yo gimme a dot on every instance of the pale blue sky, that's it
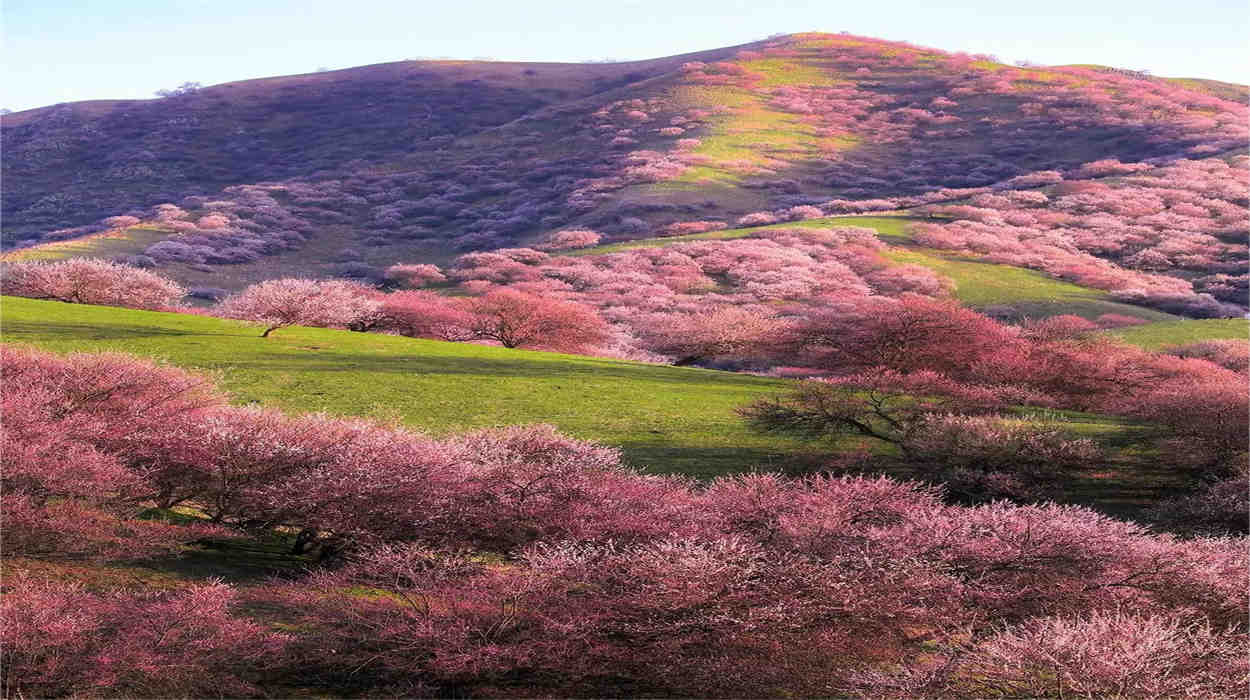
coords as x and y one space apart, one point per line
66 50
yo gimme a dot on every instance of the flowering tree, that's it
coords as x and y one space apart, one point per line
90 281
914 333
670 588
977 456
415 276
730 331
422 314
70 483
1230 354
570 239
515 319
288 302
62 640
1105 654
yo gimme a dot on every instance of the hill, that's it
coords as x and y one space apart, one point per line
345 172
144 152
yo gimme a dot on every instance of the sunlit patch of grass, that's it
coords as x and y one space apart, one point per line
751 136
981 284
1153 336
780 72
1035 78
1222 90
1019 292
105 244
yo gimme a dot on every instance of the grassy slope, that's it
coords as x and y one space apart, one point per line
106 244
1029 294
665 418
1153 336
977 284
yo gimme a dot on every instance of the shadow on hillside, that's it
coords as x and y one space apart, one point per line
527 367
235 559
43 330
710 462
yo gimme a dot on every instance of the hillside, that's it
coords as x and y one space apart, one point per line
667 419
144 152
346 172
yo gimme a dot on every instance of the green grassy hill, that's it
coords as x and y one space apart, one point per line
667 419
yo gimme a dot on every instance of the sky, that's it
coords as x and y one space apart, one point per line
68 50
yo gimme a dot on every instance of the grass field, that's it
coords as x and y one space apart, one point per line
1153 336
751 132
666 419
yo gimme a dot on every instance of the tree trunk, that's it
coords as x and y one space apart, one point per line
302 540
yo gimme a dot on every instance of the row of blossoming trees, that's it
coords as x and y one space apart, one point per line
875 355
835 327
520 561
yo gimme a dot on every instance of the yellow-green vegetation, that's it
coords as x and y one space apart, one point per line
779 72
980 283
750 136
1027 292
667 419
106 244
1153 336
1225 91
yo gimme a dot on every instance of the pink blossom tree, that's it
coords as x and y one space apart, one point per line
515 319
570 239
62 640
727 332
423 314
415 276
90 281
288 302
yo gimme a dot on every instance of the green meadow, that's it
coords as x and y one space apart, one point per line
1154 336
665 419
